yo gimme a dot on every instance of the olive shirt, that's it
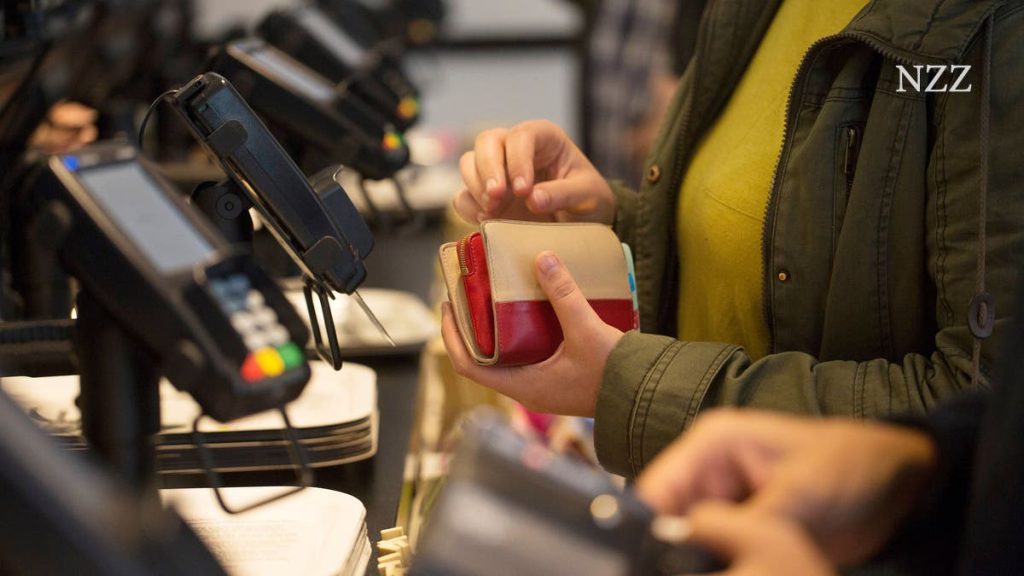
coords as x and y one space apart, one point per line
725 191
870 245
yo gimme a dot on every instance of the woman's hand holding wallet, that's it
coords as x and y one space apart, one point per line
518 322
535 172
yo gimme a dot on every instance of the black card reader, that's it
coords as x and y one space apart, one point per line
297 99
323 234
347 52
217 326
314 236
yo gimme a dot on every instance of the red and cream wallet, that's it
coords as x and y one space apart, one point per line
501 311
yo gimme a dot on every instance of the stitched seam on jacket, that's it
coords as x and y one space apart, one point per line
884 216
863 13
697 400
993 12
942 220
931 22
641 407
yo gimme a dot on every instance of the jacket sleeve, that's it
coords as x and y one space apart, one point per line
654 386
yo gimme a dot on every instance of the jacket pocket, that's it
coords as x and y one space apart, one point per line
848 141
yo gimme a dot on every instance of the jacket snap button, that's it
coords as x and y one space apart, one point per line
654 173
783 276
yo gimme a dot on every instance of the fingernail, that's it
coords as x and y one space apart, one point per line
492 184
672 529
519 184
486 198
549 263
541 199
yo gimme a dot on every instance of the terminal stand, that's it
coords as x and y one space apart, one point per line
120 396
227 207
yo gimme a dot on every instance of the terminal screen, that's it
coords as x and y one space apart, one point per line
334 39
301 78
135 203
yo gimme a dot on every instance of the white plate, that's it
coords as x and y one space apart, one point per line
330 399
406 318
315 532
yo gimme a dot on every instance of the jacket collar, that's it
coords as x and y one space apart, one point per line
729 35
922 30
919 31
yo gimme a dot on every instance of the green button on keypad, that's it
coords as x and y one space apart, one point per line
292 355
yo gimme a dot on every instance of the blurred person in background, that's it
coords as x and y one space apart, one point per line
68 126
812 235
633 60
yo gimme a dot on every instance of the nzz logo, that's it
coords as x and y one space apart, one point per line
935 78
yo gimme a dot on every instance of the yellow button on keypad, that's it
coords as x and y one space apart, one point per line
270 361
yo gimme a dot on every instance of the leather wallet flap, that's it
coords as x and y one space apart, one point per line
592 253
525 326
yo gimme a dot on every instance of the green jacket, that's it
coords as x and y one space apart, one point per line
871 240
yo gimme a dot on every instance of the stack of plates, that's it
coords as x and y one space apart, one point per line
406 318
314 532
335 418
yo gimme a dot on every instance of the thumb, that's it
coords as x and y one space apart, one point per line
570 304
754 543
720 528
573 195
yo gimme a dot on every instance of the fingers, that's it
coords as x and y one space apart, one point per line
570 304
489 158
453 342
494 378
727 454
566 383
572 195
666 484
471 179
503 170
694 464
720 529
467 207
520 147
754 543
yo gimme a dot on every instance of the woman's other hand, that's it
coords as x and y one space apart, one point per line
532 171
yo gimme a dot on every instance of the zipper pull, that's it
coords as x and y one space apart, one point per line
852 144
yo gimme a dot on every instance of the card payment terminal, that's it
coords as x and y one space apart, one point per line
218 326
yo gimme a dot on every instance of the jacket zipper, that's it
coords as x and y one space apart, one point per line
769 219
671 278
850 156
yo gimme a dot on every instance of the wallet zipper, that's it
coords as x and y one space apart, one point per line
460 249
